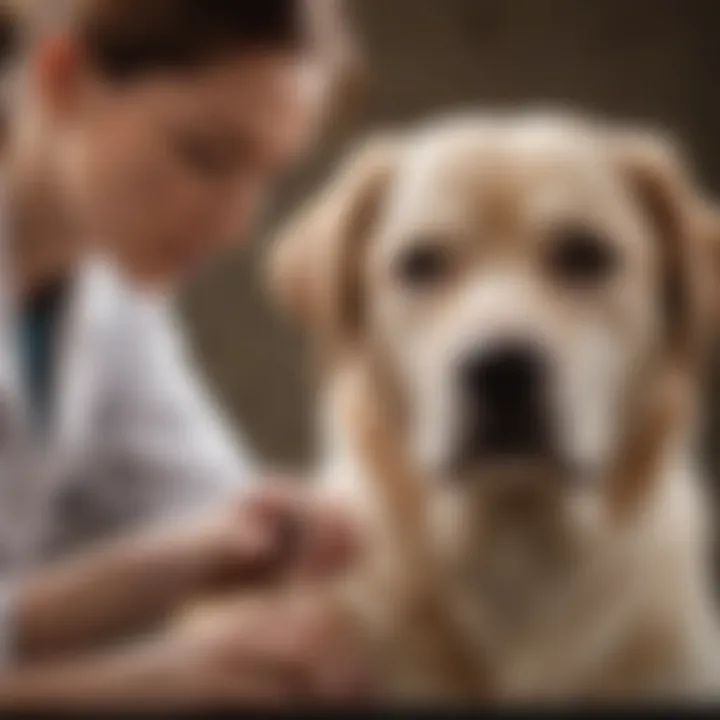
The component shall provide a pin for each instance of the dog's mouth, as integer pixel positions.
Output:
(506, 435)
(517, 454)
(507, 429)
(544, 465)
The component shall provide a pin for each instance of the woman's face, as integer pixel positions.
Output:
(169, 168)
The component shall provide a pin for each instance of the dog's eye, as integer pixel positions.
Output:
(582, 256)
(423, 265)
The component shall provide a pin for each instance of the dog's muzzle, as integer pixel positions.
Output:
(503, 390)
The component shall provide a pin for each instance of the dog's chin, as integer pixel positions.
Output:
(516, 521)
(520, 490)
(535, 473)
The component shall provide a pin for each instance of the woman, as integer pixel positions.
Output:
(140, 136)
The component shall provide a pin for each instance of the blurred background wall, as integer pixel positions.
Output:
(647, 60)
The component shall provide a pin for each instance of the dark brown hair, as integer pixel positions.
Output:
(9, 35)
(127, 38)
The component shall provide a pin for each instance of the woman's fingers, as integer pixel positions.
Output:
(282, 530)
(298, 643)
(331, 542)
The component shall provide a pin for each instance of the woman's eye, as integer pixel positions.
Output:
(204, 157)
(423, 265)
(582, 257)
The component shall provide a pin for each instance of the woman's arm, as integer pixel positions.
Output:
(127, 586)
(276, 650)
(88, 683)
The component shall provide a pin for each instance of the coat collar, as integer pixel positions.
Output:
(80, 359)
(89, 307)
(11, 400)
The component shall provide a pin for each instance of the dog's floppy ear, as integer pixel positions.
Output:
(679, 218)
(315, 263)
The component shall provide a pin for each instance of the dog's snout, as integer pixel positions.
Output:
(504, 387)
(506, 378)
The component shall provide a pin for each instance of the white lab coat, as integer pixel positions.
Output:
(133, 438)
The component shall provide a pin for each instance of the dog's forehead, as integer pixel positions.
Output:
(459, 167)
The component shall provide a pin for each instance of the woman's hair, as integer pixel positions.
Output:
(128, 38)
(9, 35)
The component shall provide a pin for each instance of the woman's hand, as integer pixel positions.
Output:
(284, 649)
(127, 586)
(277, 531)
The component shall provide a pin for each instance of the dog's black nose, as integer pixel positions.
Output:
(504, 389)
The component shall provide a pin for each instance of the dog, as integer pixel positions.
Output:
(509, 315)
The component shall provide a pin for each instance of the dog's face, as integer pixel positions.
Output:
(515, 287)
(525, 281)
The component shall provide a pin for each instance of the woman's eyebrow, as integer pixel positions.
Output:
(235, 141)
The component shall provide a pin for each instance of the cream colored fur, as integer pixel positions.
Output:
(485, 585)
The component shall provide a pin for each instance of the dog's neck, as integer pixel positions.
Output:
(644, 570)
(555, 630)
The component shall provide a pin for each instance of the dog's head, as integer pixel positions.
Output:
(526, 281)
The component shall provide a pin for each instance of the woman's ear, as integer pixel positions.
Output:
(315, 263)
(57, 69)
(677, 216)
